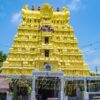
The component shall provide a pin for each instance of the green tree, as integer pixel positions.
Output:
(20, 87)
(92, 73)
(2, 58)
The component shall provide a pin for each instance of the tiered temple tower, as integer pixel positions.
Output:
(45, 36)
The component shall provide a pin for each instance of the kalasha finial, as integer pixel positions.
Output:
(39, 8)
(58, 9)
(32, 7)
(64, 9)
(26, 7)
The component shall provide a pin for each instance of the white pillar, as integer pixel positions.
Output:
(86, 97)
(85, 85)
(8, 96)
(33, 89)
(65, 85)
(62, 88)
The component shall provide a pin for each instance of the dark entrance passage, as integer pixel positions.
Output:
(47, 88)
(2, 96)
(44, 94)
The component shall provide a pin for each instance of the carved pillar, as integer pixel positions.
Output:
(85, 90)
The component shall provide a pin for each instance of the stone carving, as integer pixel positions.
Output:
(47, 28)
(46, 11)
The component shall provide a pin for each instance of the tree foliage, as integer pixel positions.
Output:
(93, 74)
(2, 57)
(20, 86)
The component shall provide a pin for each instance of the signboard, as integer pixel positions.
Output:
(48, 73)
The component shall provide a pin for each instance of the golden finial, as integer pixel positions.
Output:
(39, 8)
(64, 9)
(57, 9)
(46, 10)
(32, 7)
(26, 7)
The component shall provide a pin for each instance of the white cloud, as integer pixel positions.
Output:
(74, 4)
(16, 17)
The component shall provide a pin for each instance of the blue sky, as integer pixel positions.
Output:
(85, 19)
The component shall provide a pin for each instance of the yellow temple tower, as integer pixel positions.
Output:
(45, 37)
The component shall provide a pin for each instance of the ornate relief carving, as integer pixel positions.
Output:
(46, 11)
(47, 28)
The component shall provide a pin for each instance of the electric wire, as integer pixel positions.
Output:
(90, 44)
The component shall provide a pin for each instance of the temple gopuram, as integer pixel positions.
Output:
(46, 51)
(45, 37)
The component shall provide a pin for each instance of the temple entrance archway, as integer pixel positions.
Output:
(47, 87)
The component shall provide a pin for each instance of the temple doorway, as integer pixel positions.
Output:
(3, 96)
(48, 87)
